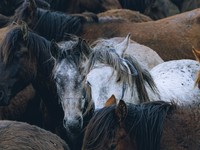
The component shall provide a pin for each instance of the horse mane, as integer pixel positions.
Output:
(131, 73)
(36, 45)
(51, 25)
(144, 123)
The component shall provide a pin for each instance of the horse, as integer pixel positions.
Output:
(70, 57)
(148, 126)
(79, 6)
(174, 80)
(51, 25)
(110, 71)
(123, 15)
(27, 59)
(19, 135)
(155, 9)
(8, 7)
(172, 37)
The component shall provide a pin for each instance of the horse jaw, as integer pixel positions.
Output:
(121, 47)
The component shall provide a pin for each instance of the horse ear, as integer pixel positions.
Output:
(121, 47)
(32, 4)
(55, 50)
(24, 29)
(196, 54)
(121, 111)
(111, 101)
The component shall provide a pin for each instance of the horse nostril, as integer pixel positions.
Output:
(74, 125)
(1, 95)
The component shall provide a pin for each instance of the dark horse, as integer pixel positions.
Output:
(51, 25)
(25, 58)
(8, 7)
(156, 9)
(148, 126)
(79, 6)
(19, 135)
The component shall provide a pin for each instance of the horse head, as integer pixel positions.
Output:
(14, 62)
(110, 71)
(70, 56)
(106, 129)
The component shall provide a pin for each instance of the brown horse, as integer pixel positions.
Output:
(148, 126)
(23, 136)
(172, 37)
(123, 15)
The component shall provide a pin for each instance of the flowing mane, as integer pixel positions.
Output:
(144, 123)
(127, 68)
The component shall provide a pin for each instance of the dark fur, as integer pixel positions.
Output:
(51, 25)
(34, 65)
(79, 6)
(8, 7)
(18, 135)
(25, 106)
(156, 9)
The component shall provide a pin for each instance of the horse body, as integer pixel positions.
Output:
(123, 15)
(18, 135)
(172, 37)
(148, 126)
(175, 80)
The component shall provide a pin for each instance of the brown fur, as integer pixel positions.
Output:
(125, 15)
(172, 37)
(148, 126)
(181, 130)
(18, 135)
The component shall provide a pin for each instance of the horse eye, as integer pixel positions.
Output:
(18, 54)
(113, 146)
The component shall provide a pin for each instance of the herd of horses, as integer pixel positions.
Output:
(71, 80)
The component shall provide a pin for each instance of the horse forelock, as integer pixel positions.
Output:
(111, 58)
(144, 123)
(100, 129)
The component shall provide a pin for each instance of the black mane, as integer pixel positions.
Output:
(51, 25)
(144, 123)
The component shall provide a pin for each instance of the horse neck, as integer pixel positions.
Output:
(45, 85)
